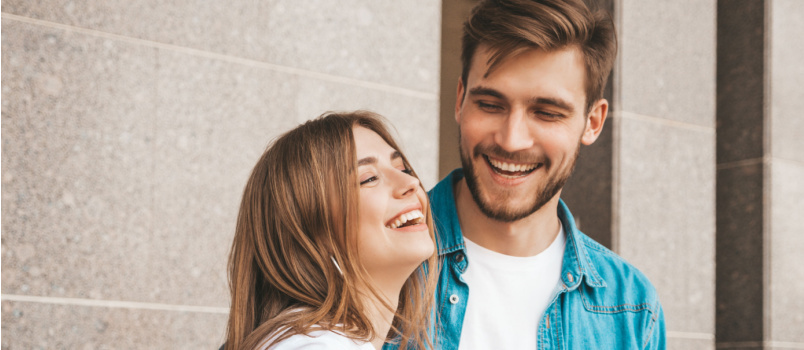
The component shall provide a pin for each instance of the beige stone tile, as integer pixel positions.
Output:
(787, 78)
(395, 43)
(77, 121)
(689, 344)
(667, 59)
(214, 120)
(786, 309)
(51, 326)
(666, 213)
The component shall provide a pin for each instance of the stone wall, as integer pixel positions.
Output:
(129, 129)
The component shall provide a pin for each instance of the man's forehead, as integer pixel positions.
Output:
(553, 74)
(488, 58)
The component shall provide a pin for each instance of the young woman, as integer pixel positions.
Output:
(331, 237)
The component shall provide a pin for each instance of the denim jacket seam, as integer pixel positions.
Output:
(615, 309)
(599, 280)
(556, 323)
(579, 251)
(451, 249)
(650, 332)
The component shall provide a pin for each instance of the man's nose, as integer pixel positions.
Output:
(514, 135)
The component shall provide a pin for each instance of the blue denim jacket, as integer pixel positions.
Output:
(603, 302)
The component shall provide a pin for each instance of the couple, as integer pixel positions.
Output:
(336, 246)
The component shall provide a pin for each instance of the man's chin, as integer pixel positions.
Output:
(507, 212)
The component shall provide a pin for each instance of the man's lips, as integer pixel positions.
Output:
(511, 170)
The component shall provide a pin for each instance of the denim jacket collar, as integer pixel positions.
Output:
(577, 266)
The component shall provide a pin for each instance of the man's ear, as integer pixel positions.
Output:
(594, 121)
(459, 100)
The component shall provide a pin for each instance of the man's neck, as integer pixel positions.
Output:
(528, 236)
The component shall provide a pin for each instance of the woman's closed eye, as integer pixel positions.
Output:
(368, 180)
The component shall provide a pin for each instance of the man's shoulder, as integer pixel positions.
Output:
(445, 214)
(624, 283)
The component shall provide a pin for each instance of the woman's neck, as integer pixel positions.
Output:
(381, 312)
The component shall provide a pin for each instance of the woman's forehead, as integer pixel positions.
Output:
(370, 144)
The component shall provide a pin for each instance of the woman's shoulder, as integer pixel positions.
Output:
(316, 340)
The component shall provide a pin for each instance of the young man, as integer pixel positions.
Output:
(517, 273)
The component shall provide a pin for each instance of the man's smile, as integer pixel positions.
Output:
(511, 170)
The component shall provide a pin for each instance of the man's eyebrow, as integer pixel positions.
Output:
(373, 160)
(484, 91)
(557, 102)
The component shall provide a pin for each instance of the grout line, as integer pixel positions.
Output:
(784, 344)
(113, 304)
(755, 344)
(741, 163)
(768, 160)
(691, 335)
(227, 58)
(738, 344)
(668, 122)
(786, 160)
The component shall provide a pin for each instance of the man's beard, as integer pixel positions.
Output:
(499, 211)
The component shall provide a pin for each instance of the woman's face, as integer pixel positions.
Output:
(393, 238)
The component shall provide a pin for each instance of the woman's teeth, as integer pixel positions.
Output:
(411, 218)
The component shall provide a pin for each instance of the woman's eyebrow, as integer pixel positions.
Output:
(373, 160)
(367, 161)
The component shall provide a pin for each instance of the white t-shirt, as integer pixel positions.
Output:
(508, 295)
(319, 340)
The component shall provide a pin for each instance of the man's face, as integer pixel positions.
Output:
(521, 126)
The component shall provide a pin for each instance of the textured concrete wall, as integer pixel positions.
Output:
(784, 318)
(760, 167)
(664, 137)
(128, 132)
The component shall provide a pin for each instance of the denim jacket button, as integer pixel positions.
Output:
(570, 278)
(459, 257)
(454, 299)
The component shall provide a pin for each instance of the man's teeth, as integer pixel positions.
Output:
(512, 167)
(414, 217)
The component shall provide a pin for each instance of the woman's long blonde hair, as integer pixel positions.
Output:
(298, 213)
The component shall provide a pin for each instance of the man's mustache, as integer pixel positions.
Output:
(496, 151)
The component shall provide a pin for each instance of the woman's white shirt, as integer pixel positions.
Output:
(319, 340)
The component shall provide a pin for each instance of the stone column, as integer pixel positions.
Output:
(760, 196)
(664, 158)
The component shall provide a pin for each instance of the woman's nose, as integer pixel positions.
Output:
(406, 184)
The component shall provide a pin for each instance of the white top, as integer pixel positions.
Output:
(319, 340)
(508, 295)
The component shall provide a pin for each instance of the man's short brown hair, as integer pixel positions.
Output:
(509, 27)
